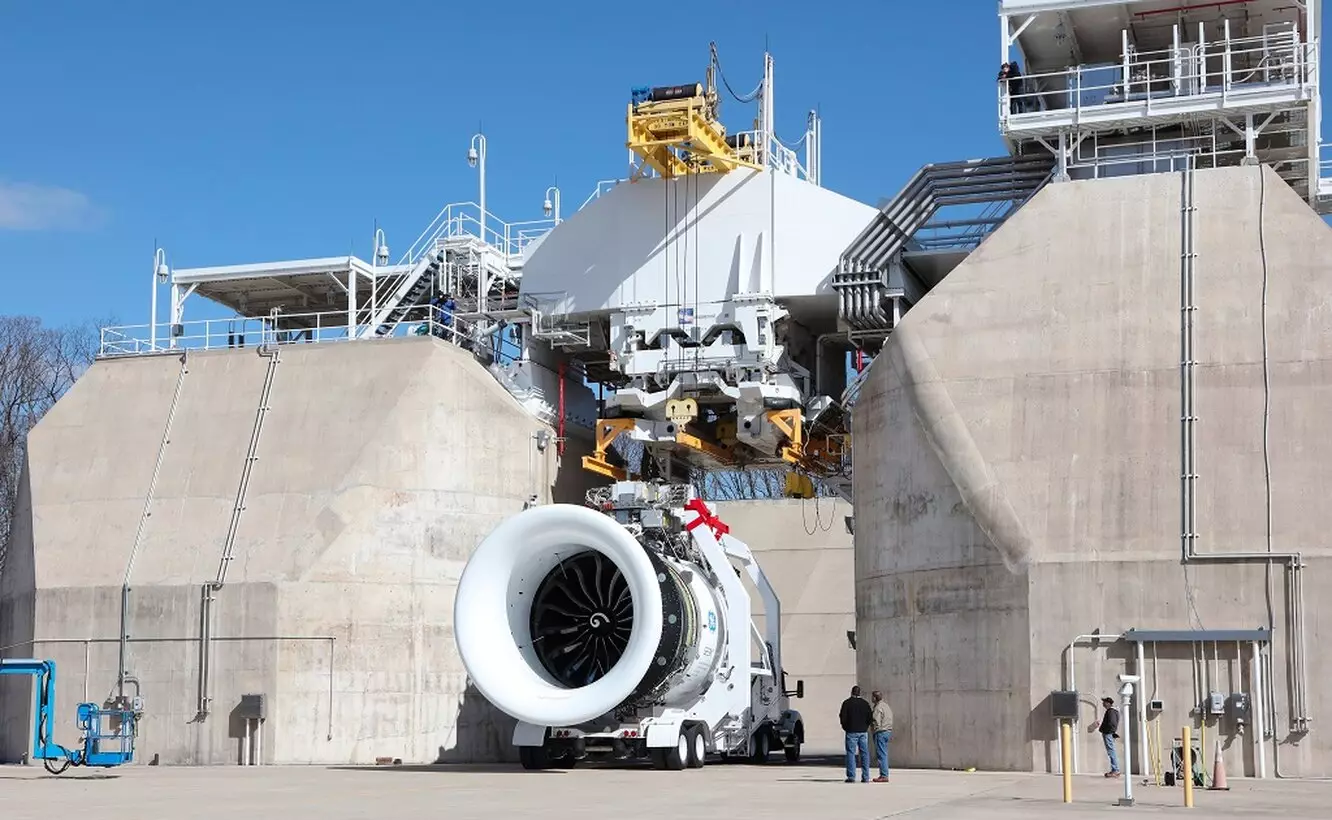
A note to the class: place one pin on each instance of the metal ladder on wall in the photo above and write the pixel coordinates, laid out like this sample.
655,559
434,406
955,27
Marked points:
251,456
122,674
270,351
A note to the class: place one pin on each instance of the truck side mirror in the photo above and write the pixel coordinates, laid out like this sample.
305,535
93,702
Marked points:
800,689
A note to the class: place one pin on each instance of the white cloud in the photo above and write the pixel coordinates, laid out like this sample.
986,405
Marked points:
28,207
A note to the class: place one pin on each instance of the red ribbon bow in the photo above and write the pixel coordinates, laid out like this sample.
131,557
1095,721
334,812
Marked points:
705,516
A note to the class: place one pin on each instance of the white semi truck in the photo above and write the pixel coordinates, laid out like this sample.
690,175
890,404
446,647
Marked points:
622,629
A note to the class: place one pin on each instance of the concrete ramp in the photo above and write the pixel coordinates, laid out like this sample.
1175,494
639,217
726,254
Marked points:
380,466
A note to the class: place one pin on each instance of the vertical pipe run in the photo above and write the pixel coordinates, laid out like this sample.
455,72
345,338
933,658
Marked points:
351,302
1127,701
1141,668
559,444
1257,707
122,665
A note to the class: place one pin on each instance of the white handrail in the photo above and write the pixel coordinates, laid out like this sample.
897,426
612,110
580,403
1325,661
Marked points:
289,328
1085,86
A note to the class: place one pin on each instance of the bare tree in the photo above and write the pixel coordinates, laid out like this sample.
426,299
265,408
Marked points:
37,365
720,485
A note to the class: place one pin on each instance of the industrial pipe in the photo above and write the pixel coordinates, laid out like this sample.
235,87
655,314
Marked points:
1188,454
1144,751
1072,674
122,664
1259,705
559,440
226,639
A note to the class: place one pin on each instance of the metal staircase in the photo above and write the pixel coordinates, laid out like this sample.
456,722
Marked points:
863,280
408,291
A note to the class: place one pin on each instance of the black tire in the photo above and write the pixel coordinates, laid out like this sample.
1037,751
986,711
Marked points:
697,745
762,745
673,758
533,758
565,761
793,751
676,757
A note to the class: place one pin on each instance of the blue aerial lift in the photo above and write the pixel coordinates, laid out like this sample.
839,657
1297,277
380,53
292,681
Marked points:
108,734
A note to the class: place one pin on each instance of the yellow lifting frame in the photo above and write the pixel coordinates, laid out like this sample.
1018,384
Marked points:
792,425
657,128
607,431
707,448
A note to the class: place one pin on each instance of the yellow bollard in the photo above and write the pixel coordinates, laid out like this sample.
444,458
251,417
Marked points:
1188,768
1066,758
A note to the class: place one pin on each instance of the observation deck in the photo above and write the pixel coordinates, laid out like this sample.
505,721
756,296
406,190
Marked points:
1115,87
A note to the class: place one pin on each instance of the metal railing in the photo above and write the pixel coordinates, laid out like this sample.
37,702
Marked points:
1325,164
1276,60
281,329
602,187
464,219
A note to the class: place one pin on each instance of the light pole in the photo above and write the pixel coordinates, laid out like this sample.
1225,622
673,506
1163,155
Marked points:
552,203
476,157
381,248
160,275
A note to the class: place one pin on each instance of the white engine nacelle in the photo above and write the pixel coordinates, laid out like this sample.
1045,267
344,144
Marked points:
562,616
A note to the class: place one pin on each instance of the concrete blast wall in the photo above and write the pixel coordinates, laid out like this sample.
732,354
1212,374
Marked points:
806,552
1019,455
380,467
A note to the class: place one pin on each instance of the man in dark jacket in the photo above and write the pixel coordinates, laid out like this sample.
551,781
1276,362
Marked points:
856,718
1110,731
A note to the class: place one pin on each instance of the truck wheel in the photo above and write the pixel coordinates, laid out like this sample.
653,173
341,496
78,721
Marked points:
761,746
698,747
533,758
677,757
793,751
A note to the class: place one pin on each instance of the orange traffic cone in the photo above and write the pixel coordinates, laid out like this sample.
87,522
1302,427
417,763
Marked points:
1218,771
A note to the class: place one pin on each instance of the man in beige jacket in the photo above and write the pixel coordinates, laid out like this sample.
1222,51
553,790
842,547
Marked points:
881,729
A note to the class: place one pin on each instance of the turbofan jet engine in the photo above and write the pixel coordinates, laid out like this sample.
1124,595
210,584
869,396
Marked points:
564,614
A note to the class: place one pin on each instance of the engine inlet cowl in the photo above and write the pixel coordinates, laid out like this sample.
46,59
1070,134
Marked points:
541,621
562,616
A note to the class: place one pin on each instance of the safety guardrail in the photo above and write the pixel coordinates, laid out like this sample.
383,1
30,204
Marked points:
279,329
1268,62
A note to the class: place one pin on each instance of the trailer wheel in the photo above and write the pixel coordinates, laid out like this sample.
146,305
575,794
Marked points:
698,747
793,751
533,758
673,758
762,743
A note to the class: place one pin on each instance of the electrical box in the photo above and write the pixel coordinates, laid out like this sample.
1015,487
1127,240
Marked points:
1064,704
1239,705
1216,703
252,707
1155,705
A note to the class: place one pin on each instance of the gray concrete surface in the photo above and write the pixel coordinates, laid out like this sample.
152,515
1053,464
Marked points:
463,793
807,554
380,467
1018,476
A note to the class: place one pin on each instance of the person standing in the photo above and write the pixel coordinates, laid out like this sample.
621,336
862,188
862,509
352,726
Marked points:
856,717
1110,731
881,724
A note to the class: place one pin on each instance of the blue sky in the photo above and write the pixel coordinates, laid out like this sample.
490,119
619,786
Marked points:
244,131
